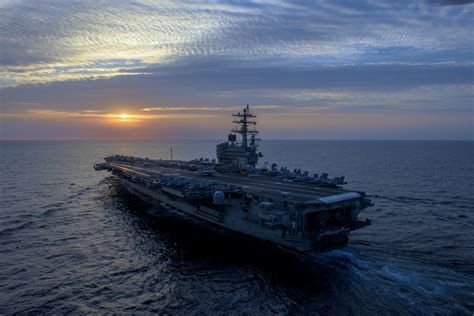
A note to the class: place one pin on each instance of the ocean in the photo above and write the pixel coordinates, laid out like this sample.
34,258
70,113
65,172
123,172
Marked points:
72,241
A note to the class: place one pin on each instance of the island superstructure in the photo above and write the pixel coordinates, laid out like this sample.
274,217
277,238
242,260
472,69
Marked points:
289,208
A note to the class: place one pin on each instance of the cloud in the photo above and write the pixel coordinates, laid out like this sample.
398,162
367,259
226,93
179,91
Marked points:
221,85
451,2
96,114
183,60
207,108
80,40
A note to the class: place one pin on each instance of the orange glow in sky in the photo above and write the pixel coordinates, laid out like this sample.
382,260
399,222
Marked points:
124,116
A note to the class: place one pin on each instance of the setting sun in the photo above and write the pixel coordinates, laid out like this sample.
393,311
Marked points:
123,119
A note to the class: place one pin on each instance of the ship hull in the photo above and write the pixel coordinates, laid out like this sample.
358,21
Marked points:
232,220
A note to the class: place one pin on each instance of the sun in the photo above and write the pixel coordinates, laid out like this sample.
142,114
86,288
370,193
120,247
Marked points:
123,118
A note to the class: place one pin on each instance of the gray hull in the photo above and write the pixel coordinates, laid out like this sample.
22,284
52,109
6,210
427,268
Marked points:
290,215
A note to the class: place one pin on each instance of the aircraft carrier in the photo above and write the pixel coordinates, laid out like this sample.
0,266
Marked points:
290,208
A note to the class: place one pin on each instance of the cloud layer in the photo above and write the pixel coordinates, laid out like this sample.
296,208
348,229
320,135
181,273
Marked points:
48,40
322,56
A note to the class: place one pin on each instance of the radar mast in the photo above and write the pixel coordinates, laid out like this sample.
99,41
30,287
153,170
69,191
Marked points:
243,121
234,156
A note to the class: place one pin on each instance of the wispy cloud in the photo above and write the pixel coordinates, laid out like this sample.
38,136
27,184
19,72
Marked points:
91,61
207,108
58,41
96,114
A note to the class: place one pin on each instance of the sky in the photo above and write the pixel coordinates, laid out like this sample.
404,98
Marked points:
320,69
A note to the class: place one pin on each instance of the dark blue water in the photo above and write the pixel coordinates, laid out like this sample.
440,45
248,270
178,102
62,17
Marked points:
72,241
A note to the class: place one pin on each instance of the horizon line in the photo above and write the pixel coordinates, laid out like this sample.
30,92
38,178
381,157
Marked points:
219,139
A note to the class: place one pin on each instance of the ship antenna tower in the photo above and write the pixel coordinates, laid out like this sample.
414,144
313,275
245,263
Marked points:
243,121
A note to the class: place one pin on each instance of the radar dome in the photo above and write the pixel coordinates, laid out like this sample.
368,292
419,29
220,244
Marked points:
218,198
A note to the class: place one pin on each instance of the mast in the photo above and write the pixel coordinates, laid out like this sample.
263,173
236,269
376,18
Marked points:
243,122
